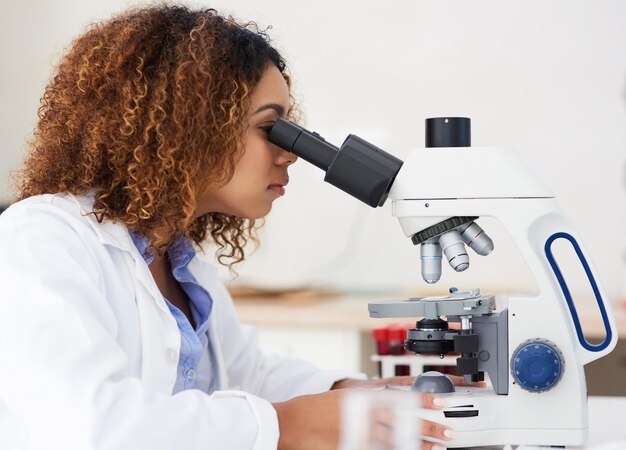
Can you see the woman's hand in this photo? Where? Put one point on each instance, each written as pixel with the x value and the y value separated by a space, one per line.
pixel 313 421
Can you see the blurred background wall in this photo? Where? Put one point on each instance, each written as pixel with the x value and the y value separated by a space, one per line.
pixel 545 78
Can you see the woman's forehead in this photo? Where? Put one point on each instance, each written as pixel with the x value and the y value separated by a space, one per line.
pixel 272 89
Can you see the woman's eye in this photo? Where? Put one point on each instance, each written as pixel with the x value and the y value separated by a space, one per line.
pixel 267 128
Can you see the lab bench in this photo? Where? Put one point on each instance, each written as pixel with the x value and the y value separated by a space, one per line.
pixel 335 332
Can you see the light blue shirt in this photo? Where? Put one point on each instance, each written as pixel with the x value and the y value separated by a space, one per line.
pixel 194 362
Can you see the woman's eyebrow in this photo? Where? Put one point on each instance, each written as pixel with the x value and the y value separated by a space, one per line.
pixel 275 106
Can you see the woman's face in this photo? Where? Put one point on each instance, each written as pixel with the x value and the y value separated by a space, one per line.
pixel 261 174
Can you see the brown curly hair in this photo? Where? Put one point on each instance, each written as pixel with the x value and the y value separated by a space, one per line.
pixel 141 111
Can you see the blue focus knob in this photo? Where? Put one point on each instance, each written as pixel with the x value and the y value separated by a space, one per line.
pixel 537 365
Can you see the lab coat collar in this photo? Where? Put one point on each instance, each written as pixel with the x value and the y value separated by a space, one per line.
pixel 117 235
pixel 109 232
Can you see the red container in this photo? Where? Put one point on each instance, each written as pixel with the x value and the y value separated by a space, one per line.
pixel 397 336
pixel 381 337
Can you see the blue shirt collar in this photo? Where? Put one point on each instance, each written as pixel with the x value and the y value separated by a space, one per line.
pixel 180 251
pixel 143 246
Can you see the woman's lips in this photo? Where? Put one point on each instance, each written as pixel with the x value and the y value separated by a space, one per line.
pixel 277 188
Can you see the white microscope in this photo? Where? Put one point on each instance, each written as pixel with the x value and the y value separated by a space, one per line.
pixel 533 350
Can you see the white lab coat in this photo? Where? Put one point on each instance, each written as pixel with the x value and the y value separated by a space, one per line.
pixel 89 348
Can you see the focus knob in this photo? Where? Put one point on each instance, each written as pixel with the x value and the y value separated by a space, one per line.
pixel 537 365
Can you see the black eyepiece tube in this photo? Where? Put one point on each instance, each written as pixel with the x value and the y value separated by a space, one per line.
pixel 359 168
pixel 309 146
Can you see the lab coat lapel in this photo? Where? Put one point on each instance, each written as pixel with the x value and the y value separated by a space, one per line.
pixel 160 337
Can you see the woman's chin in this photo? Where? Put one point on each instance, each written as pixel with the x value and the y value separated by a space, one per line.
pixel 257 213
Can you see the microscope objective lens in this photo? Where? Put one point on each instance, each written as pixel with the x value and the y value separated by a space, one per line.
pixel 453 247
pixel 474 236
pixel 430 256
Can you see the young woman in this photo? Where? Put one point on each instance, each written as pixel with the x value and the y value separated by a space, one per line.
pixel 151 140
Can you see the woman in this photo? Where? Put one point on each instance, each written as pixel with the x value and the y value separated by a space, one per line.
pixel 152 140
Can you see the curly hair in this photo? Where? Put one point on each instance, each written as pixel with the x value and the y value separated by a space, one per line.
pixel 145 110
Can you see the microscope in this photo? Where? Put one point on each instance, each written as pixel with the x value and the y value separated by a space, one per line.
pixel 533 350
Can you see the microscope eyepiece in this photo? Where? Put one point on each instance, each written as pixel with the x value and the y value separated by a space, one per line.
pixel 359 168
pixel 309 146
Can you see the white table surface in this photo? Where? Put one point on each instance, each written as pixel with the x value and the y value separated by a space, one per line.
pixel 607 422
pixel 607 425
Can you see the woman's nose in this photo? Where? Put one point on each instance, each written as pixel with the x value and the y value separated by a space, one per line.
pixel 284 157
